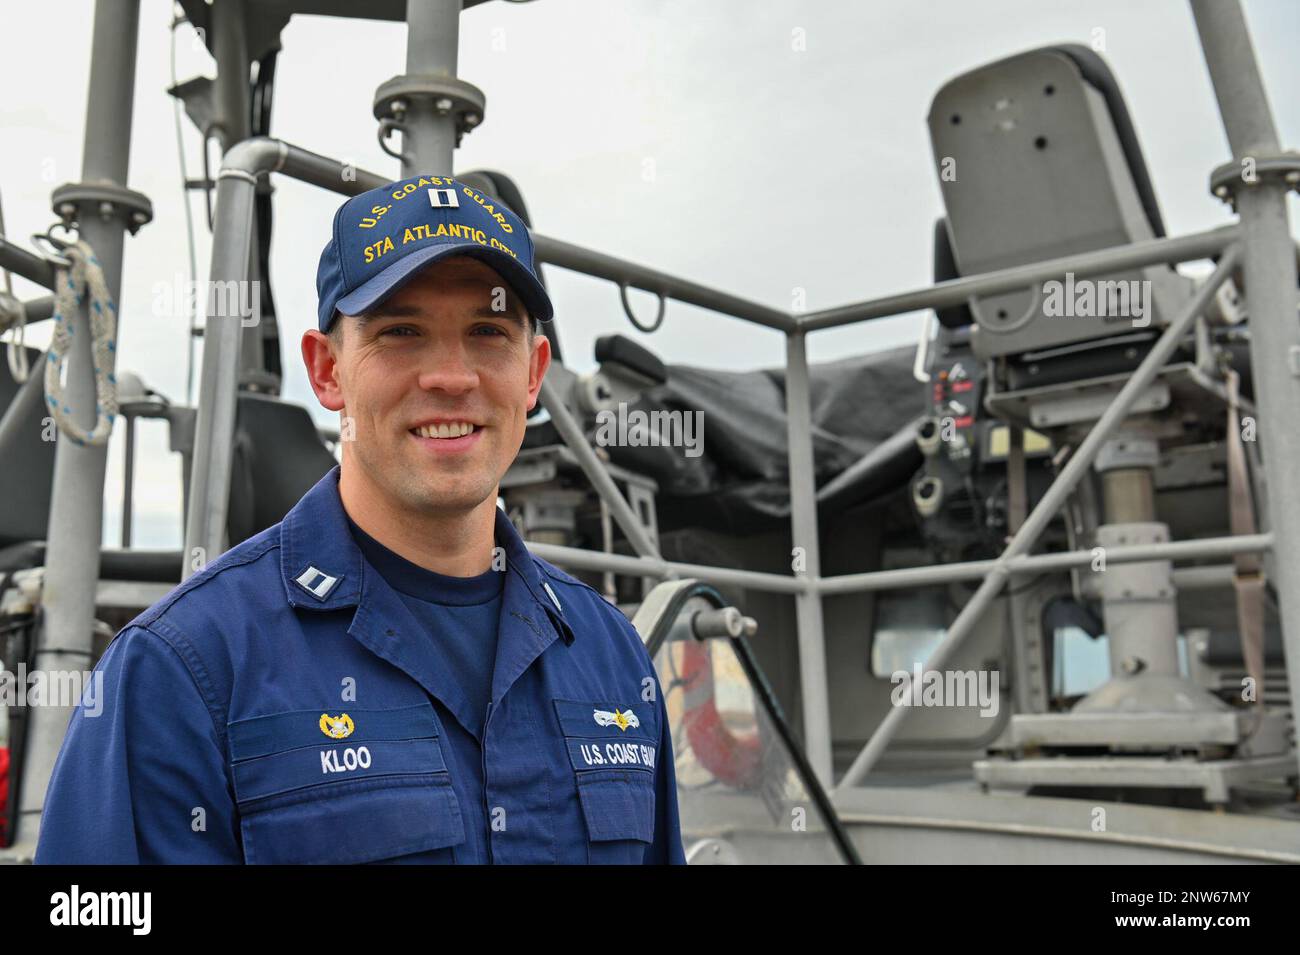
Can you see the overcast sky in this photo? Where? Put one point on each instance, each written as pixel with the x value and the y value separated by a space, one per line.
pixel 774 168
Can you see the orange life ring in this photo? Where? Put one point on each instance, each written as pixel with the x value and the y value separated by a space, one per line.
pixel 733 759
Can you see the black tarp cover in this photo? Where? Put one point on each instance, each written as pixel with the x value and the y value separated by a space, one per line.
pixel 740 482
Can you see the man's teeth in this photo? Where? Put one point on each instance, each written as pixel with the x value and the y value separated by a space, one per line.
pixel 457 429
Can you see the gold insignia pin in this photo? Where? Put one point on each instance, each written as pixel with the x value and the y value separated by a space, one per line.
pixel 337 727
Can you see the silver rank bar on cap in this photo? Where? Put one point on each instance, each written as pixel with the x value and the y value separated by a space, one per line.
pixel 444 199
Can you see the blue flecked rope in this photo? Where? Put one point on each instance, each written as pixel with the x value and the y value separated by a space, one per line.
pixel 72 285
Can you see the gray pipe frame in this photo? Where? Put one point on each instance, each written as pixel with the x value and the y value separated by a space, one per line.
pixel 571 433
pixel 599 265
pixel 205 523
pixel 66 634
pixel 1048 505
pixel 232 99
pixel 1270 275
pixel 432 49
pixel 214 426
pixel 230 91
pixel 811 632
pixel 582 559
pixel 39 309
pixel 1041 563
pixel 1198 245
pixel 30 266
pixel 903 578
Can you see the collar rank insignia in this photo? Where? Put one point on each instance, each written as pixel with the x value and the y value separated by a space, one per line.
pixel 336 727
pixel 621 720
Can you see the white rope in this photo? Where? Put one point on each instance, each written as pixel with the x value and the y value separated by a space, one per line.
pixel 71 286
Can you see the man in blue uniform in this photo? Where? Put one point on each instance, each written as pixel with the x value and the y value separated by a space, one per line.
pixel 387 674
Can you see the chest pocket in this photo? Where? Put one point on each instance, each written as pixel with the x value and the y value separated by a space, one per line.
pixel 343 786
pixel 613 748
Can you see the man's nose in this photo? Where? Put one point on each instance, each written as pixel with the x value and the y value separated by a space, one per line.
pixel 447 368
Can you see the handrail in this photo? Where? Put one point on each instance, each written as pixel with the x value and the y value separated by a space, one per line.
pixel 1185 248
pixel 621 272
pixel 899 578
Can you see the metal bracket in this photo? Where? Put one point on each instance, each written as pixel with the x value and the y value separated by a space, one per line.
pixel 72 200
pixel 1227 179
pixel 42 239
pixel 1128 451
pixel 448 95
pixel 722 622
pixel 631 316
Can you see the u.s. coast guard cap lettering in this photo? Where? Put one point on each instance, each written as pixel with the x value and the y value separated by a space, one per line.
pixel 383 237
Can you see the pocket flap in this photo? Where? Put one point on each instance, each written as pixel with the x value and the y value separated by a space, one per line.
pixel 331 763
pixel 369 820
pixel 277 732
pixel 617 805
pixel 616 719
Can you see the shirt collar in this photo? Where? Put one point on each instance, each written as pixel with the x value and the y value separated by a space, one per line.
pixel 322 565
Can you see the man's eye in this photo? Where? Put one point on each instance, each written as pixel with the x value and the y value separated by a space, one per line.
pixel 490 329
pixel 396 329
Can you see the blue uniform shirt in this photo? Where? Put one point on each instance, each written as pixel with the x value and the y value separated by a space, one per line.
pixel 285 705
pixel 459 615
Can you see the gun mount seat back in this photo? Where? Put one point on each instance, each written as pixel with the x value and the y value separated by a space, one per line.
pixel 278 457
pixel 1038 159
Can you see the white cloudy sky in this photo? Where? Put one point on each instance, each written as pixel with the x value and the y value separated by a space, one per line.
pixel 774 168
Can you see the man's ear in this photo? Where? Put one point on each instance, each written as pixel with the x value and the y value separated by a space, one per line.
pixel 322 368
pixel 538 362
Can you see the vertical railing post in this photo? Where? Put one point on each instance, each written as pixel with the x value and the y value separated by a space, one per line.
pixel 432 49
pixel 214 424
pixel 803 527
pixel 1269 265
pixel 77 497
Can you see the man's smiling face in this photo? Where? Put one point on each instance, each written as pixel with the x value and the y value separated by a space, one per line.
pixel 438 380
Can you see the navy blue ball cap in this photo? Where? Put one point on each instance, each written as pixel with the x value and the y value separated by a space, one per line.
pixel 383 237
